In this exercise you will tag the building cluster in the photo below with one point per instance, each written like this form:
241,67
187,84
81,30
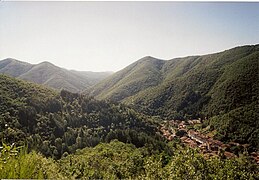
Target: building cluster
194,139
255,156
207,145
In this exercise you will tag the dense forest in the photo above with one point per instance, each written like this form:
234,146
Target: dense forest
60,134
57,123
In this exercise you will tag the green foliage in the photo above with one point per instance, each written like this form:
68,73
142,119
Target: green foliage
61,123
189,164
239,125
117,160
16,163
239,168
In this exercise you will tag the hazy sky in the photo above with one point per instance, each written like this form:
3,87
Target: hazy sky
107,36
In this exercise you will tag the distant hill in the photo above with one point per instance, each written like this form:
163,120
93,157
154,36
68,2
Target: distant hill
222,85
50,75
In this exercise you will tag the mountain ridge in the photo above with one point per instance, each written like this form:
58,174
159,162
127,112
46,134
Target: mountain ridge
169,70
51,75
222,87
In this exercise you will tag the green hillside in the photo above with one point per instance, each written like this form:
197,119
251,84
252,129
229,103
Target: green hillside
131,80
50,75
59,123
192,87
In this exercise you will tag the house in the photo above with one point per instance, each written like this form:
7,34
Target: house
229,154
255,156
196,136
183,138
194,121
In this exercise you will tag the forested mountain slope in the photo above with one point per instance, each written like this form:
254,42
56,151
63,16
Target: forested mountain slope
57,123
50,75
136,77
182,84
192,87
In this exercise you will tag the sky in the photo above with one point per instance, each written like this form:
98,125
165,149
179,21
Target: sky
108,36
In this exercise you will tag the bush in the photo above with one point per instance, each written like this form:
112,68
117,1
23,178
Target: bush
16,163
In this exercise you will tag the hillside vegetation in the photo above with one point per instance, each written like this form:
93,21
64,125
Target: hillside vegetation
59,123
50,75
117,160
213,85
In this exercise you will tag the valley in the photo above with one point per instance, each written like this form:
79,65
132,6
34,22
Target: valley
129,90
186,118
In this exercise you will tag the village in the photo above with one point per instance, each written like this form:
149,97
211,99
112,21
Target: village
190,135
